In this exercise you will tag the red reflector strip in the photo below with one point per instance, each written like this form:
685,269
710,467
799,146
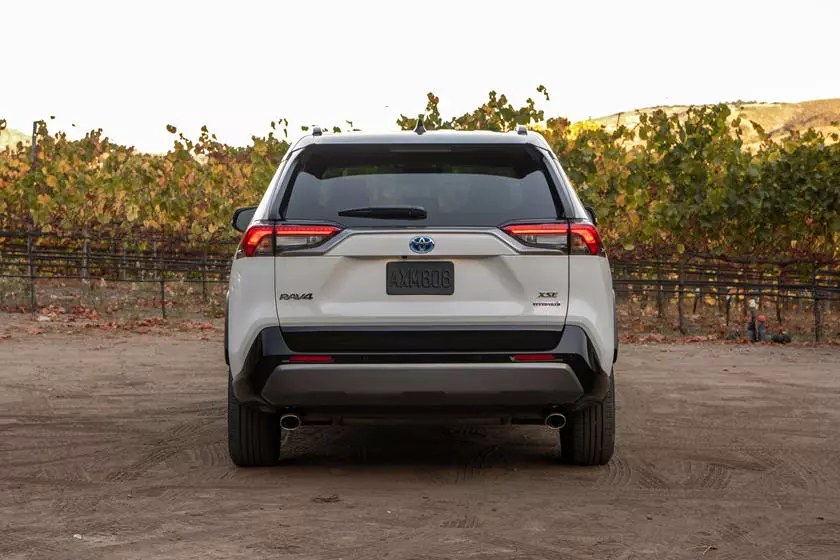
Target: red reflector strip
311,359
533,358
307,230
537,229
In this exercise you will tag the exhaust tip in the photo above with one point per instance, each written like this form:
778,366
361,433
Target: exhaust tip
290,422
555,421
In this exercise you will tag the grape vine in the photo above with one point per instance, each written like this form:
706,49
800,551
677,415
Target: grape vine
671,186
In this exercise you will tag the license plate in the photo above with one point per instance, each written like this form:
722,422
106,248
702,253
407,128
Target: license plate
420,278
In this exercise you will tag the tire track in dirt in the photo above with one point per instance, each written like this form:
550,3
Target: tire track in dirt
212,455
13,543
526,548
714,476
618,473
786,468
465,518
70,501
815,481
734,541
466,522
722,541
647,477
820,533
477,465
53,460
182,436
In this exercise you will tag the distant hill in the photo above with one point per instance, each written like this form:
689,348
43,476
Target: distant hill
10,137
777,119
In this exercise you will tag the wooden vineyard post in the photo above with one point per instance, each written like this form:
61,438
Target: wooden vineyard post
660,301
204,277
123,262
161,276
779,298
680,290
816,298
85,249
30,259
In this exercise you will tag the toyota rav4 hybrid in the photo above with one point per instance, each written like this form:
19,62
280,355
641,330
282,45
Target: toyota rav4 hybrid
420,276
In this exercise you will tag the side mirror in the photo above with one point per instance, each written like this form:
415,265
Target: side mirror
242,218
591,212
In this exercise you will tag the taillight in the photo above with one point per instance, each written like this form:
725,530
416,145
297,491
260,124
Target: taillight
549,236
261,240
290,237
583,238
257,241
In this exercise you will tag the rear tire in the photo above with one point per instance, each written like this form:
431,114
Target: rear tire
588,438
253,435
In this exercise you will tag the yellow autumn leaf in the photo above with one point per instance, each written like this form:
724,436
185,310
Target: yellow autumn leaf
44,199
52,181
633,217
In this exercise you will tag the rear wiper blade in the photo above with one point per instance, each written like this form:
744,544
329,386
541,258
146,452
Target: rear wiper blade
386,212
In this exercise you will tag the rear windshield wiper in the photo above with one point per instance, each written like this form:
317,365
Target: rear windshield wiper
386,212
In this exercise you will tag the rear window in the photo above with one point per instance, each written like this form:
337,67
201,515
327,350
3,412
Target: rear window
456,185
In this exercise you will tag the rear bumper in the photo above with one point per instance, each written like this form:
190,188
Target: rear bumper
422,380
458,384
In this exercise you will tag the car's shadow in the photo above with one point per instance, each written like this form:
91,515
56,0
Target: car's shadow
444,447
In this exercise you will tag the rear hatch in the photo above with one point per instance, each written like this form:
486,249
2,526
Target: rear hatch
415,248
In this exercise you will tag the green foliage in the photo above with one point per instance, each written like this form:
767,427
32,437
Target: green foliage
673,185
684,185
497,114
94,185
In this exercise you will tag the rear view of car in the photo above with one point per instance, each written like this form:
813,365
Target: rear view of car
441,275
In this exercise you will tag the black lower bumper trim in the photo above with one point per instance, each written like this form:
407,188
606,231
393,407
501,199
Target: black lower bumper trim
401,339
513,384
422,378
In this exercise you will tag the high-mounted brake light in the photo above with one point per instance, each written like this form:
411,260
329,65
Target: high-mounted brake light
580,239
288,237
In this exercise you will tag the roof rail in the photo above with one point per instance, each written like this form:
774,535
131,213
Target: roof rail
522,130
316,131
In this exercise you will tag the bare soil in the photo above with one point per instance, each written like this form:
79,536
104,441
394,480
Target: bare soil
113,445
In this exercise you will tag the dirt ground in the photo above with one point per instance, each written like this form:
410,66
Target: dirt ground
112,445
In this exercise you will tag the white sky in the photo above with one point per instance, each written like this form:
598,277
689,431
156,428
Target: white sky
131,67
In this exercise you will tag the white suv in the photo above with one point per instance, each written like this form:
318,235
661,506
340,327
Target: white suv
415,276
